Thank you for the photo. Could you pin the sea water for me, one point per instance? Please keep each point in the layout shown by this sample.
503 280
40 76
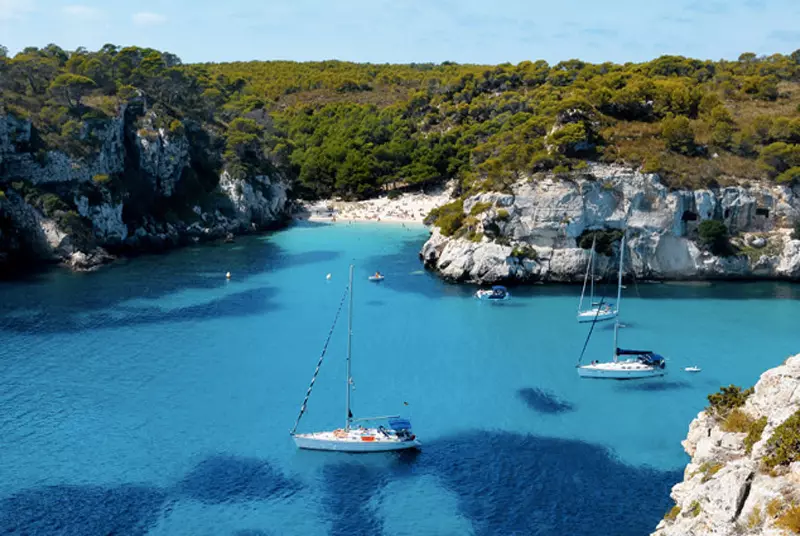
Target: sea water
156 396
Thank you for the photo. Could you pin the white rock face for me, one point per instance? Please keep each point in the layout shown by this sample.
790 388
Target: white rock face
551 214
259 200
725 491
106 219
163 158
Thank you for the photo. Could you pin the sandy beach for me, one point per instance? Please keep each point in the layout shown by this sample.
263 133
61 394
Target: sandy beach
407 208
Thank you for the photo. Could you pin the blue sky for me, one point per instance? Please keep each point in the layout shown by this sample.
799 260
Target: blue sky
380 31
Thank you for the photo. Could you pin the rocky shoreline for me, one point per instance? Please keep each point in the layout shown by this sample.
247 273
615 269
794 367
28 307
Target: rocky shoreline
535 231
742 477
123 198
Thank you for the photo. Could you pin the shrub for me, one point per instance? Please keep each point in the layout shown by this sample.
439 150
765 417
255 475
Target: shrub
502 215
393 194
101 178
695 509
783 447
604 240
709 469
176 128
678 135
737 421
479 207
754 520
789 176
672 515
714 236
774 507
52 203
449 218
754 434
524 252
727 399
790 520
2 194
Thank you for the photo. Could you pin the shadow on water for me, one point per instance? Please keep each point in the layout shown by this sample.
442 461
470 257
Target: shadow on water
55 320
152 277
225 479
81 510
654 386
544 402
510 483
349 489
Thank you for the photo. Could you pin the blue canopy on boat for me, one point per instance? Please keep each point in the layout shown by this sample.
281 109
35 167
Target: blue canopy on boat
499 288
398 423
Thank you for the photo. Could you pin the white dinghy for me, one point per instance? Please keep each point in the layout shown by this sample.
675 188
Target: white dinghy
353 437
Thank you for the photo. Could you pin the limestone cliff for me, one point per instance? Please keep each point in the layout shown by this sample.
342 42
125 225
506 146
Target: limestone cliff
533 232
743 477
137 186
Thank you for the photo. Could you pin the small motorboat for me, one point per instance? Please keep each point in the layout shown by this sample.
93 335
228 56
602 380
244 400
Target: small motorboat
497 294
692 369
377 277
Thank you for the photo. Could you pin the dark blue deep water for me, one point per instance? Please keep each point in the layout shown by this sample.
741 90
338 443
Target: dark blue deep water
156 397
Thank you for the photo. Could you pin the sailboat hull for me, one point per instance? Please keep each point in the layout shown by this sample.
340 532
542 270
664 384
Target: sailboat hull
372 441
620 370
594 316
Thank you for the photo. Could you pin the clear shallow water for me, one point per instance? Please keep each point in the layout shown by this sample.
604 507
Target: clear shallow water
156 397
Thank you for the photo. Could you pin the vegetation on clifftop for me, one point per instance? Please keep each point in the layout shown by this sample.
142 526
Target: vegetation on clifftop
355 130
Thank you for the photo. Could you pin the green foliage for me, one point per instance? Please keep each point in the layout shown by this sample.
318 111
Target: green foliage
791 175
714 235
790 520
709 469
2 195
449 218
524 252
673 513
779 158
101 179
754 433
774 507
359 130
678 135
737 421
754 520
783 447
604 240
502 214
479 208
727 399
695 509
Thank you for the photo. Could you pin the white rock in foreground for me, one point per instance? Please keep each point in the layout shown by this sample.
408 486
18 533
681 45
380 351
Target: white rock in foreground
725 491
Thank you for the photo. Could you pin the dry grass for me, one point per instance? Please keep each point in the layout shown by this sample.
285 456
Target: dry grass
774 507
790 520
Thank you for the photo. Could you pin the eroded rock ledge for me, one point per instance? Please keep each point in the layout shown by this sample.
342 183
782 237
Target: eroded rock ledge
743 477
533 232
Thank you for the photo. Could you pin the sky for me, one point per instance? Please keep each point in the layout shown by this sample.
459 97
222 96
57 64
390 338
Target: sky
404 31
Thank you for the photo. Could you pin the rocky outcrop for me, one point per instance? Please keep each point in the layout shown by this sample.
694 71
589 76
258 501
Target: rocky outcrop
534 232
121 197
728 488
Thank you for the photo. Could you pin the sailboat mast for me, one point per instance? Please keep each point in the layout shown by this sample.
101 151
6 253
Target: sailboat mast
586 277
619 293
621 260
349 349
591 265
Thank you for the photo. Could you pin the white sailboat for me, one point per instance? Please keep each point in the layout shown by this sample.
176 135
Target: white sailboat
355 437
596 312
636 363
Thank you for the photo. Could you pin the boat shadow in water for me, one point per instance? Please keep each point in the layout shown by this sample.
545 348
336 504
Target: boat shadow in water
654 385
544 402
509 483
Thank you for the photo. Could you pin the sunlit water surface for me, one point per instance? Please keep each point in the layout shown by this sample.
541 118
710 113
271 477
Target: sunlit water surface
156 397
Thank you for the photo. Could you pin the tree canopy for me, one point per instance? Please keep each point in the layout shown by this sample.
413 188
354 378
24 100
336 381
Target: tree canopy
354 130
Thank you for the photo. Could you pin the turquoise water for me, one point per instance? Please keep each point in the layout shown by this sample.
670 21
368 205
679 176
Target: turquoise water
156 397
